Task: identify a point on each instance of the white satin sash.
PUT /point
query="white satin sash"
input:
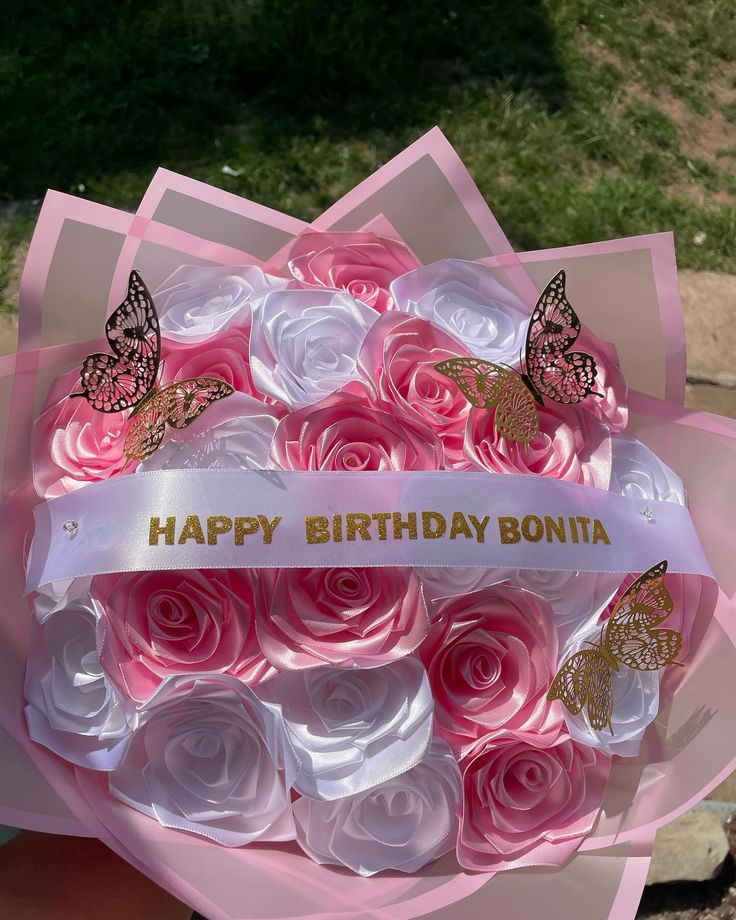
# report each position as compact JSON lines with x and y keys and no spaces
{"x":213,"y":518}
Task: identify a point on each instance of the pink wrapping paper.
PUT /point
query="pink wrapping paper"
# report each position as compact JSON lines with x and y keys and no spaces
{"x":427,"y":197}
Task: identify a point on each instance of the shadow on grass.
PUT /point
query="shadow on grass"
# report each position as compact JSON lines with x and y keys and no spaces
{"x":88,"y":88}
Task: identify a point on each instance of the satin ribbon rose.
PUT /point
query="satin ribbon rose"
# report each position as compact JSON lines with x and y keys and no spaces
{"x":404,"y":823}
{"x":161,"y":623}
{"x":638,"y":473}
{"x":347,"y":730}
{"x":398,"y":358}
{"x":350,"y":431}
{"x":572,"y":444}
{"x":361,"y":264}
{"x":443,"y":582}
{"x":197,"y":301}
{"x":223,"y":355}
{"x":74,"y":444}
{"x":202,"y":762}
{"x":491,"y":658}
{"x":465,"y":300}
{"x":71,"y":706}
{"x":304,"y":344}
{"x":528,"y":801}
{"x":341,"y":616}
{"x":573,"y":597}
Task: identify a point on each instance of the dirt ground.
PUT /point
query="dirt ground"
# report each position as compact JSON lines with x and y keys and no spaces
{"x":714,"y":900}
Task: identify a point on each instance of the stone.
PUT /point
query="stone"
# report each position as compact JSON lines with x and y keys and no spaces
{"x":692,"y":849}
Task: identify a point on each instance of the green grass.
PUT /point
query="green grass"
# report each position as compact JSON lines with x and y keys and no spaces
{"x":14,"y":235}
{"x":578,"y":119}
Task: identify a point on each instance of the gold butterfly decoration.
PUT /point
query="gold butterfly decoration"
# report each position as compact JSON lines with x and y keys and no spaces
{"x":630,"y":637}
{"x":551,"y":370}
{"x":126,"y":378}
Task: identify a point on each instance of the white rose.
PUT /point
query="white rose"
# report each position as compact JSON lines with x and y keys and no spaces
{"x":442,"y":582}
{"x":638,"y":473}
{"x":234,"y":433}
{"x":204,"y":761}
{"x":198,"y":300}
{"x":349,"y":730}
{"x":304,"y":344}
{"x":574,"y":597}
{"x":403,"y":824}
{"x":635,"y":701}
{"x":72,"y":708}
{"x":465,"y":300}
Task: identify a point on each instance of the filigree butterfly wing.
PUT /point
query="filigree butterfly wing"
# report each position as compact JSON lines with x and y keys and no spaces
{"x":585,"y":679}
{"x":570,"y":686}
{"x":646,"y":648}
{"x":600,"y":695}
{"x":566,"y":379}
{"x":477,"y":379}
{"x":110,"y":386}
{"x":112,"y":383}
{"x":631,"y":634}
{"x":146,"y":428}
{"x":186,"y":400}
{"x":554,"y":325}
{"x":553,"y":328}
{"x":177,"y":405}
{"x":646,"y":598}
{"x":486,"y":386}
{"x":516,"y":413}
{"x":133,"y":329}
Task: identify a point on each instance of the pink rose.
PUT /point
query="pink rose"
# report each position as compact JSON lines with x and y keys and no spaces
{"x":528,"y":801}
{"x":572,"y":444}
{"x":362,"y":264}
{"x":74,"y":444}
{"x":491,"y":658}
{"x":610,"y":384}
{"x":343,"y":617}
{"x":349,"y":431}
{"x":224,"y":355}
{"x":398,"y":357}
{"x":180,"y":622}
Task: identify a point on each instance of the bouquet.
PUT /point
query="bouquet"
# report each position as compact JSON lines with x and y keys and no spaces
{"x":365,"y":548}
